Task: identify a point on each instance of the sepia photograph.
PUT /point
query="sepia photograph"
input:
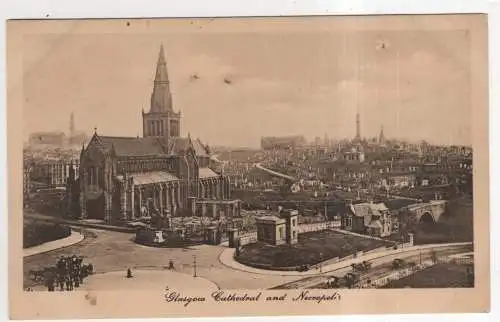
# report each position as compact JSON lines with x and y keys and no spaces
{"x":250,"y":160}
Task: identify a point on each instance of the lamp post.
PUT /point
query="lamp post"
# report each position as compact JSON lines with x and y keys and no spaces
{"x":321,"y":263}
{"x":194,"y":265}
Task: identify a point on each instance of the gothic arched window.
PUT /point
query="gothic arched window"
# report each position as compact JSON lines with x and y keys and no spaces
{"x":91,"y":175}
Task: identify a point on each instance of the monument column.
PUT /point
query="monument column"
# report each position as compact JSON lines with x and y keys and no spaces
{"x":214,"y":210}
{"x":123,"y":201}
{"x":203,"y":209}
{"x":153,"y":195}
{"x":167,"y":202}
{"x":83,"y":206}
{"x":83,"y":198}
{"x":179,"y":200}
{"x":222,"y":188}
{"x":202,"y":188}
{"x":107,"y":206}
{"x":217,"y":188}
{"x":132,"y":202}
{"x":172,"y":196}
{"x":140,"y":201}
{"x":161,"y":197}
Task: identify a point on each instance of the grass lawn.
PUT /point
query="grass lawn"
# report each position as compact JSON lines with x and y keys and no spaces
{"x":36,"y":232}
{"x":437,"y":276}
{"x":308,"y":250}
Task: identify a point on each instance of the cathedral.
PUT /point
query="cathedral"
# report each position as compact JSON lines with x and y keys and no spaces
{"x":123,"y":178}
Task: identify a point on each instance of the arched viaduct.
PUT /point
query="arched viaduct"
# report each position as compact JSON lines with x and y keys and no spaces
{"x":428,"y":211}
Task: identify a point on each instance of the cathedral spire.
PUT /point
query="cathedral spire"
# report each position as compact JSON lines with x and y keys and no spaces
{"x":161,"y":75}
{"x":161,"y":99}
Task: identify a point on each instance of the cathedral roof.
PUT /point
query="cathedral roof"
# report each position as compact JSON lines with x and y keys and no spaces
{"x":152,"y":177}
{"x":181,"y":145}
{"x":137,"y":146}
{"x":132,"y":146}
{"x":205,"y":173}
{"x":200,"y":148}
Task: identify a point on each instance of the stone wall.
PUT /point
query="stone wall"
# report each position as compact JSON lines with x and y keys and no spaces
{"x":251,"y":237}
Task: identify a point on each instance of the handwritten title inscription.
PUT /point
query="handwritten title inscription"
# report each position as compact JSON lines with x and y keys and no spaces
{"x":234,"y":297}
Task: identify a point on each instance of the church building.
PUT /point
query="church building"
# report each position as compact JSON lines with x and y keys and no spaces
{"x":123,"y":178}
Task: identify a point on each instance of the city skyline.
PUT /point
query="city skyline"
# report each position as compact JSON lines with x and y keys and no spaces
{"x":402,"y":81}
{"x":309,"y":140}
{"x":301,"y":155}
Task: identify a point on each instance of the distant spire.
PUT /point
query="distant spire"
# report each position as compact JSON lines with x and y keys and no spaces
{"x":358,"y":127}
{"x":72,"y":124}
{"x":381,"y":138}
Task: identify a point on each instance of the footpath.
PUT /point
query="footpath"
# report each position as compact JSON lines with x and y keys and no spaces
{"x":72,"y":239}
{"x":227,"y":259}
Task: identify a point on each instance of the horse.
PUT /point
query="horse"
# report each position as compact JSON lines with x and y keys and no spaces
{"x":37,"y":275}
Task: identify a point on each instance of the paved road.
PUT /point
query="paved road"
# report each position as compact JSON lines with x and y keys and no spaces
{"x":114,"y":251}
{"x":380,"y":266}
{"x":274,"y":173}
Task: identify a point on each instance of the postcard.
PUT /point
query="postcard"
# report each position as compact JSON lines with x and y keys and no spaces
{"x":248,"y":166}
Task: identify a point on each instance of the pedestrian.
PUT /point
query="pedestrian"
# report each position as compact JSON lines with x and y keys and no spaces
{"x":68,"y":284}
{"x":50,"y":285}
{"x":61,"y":282}
{"x":77,"y":280}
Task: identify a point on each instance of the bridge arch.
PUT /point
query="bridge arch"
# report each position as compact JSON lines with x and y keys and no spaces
{"x":427,"y":217}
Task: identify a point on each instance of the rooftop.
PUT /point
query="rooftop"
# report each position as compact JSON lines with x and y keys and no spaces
{"x":152,"y":177}
{"x":270,"y":219}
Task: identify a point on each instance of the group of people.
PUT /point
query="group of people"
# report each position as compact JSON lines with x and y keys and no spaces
{"x":68,"y":273}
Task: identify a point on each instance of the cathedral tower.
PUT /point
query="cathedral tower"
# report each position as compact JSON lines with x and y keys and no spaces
{"x":161,"y":121}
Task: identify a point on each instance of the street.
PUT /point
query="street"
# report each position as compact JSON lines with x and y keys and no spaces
{"x":115,"y":251}
{"x":380,"y":266}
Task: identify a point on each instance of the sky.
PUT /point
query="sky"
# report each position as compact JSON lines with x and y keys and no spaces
{"x":415,"y":84}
